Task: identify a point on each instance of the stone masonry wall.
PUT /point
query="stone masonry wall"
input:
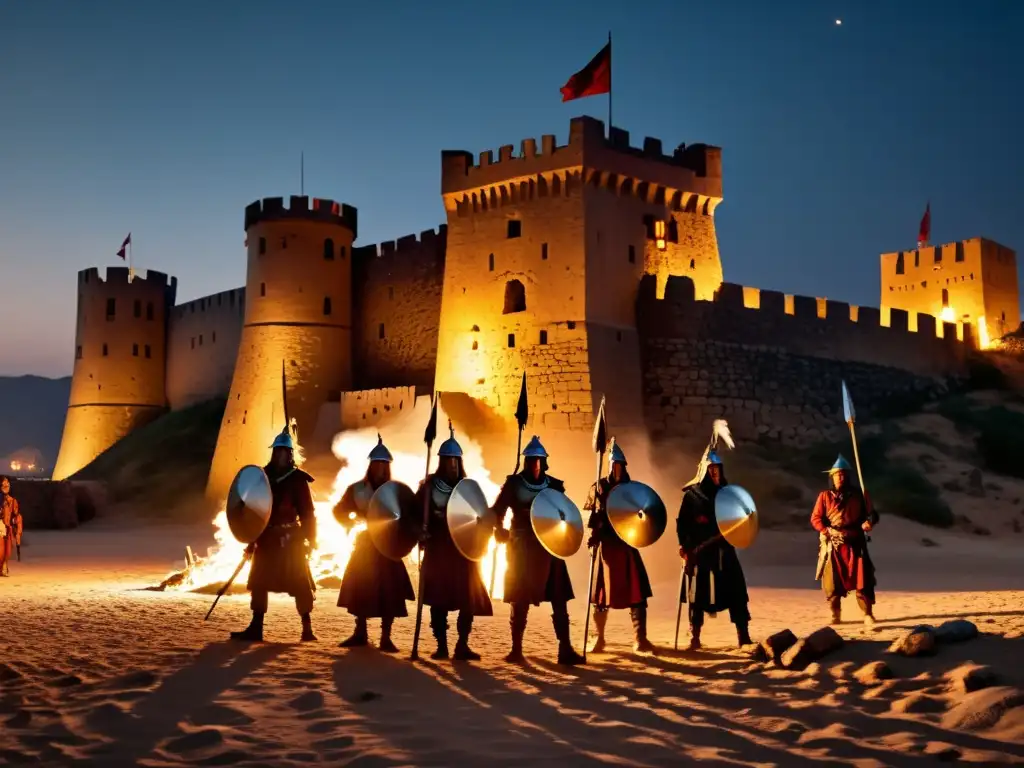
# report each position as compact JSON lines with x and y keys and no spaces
{"x":777,"y":374}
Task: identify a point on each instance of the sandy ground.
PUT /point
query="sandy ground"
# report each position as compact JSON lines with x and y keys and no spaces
{"x":96,"y":672}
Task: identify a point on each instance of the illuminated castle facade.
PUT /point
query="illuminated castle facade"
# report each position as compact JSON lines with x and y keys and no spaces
{"x":593,"y":266}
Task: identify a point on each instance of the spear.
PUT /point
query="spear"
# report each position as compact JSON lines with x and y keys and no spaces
{"x":600,"y":443}
{"x":850,"y":415}
{"x":428,"y":437}
{"x":522,"y":416}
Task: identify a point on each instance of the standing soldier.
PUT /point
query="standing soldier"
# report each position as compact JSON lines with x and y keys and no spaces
{"x":10,"y":525}
{"x":622,"y":580}
{"x":374,"y":585}
{"x":842,"y":517}
{"x":713,"y":577}
{"x":450,"y":581}
{"x":534,"y":575}
{"x":280,"y":555}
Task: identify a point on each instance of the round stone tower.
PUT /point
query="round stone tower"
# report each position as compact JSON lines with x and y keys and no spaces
{"x":298,"y":310}
{"x":118,"y":382}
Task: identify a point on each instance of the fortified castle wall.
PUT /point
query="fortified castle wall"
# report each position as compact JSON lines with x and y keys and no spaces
{"x":776,"y":370}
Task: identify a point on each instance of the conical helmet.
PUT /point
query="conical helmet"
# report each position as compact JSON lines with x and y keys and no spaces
{"x":380,"y":452}
{"x":534,"y":449}
{"x":450,"y":447}
{"x":713,"y":457}
{"x":841,"y":465}
{"x":617,"y":454}
{"x":284,"y":440}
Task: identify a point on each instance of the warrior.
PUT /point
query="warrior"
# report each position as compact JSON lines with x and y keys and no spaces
{"x":534,"y":576}
{"x":450,"y":581}
{"x":842,"y":516}
{"x":280,"y":555}
{"x":622,"y":580}
{"x":374,"y":585}
{"x":10,"y":525}
{"x":713,"y":578}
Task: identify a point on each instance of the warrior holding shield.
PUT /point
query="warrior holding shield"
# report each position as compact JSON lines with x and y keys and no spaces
{"x":713,"y":578}
{"x":450,"y":581}
{"x":280,"y":553}
{"x":374,"y":584}
{"x":534,"y":574}
{"x":622,"y":580}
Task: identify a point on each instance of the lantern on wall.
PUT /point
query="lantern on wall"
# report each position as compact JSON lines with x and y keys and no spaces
{"x":659,"y":234}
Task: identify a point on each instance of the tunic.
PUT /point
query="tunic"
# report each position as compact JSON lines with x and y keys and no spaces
{"x":279,"y":562}
{"x":450,"y":581}
{"x":622,"y":580}
{"x":373,"y":586}
{"x":10,"y":516}
{"x":844,"y":564}
{"x":713,"y":580}
{"x":533,"y":575}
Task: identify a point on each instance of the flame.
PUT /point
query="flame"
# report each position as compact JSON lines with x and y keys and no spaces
{"x":947,"y":315}
{"x":984,"y":342}
{"x":404,"y":438}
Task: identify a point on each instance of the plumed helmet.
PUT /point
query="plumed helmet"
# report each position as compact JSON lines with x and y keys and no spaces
{"x":841,"y":465}
{"x":450,"y":447}
{"x":714,"y":458}
{"x":534,"y":449}
{"x":380,"y":452}
{"x":284,"y":440}
{"x":617,"y":454}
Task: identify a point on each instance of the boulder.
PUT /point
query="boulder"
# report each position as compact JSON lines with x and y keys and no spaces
{"x":778,"y":644}
{"x":873,"y":673}
{"x":812,"y":648}
{"x":955,"y":631}
{"x":919,"y":641}
{"x":971,"y":677}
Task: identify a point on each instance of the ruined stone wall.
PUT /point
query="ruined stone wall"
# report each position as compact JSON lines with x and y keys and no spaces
{"x":369,"y":408}
{"x":397,"y":310}
{"x":774,"y":372}
{"x":202,"y":347}
{"x":119,"y":377}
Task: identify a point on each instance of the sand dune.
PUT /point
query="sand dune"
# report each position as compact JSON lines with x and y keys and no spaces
{"x":97,"y":672}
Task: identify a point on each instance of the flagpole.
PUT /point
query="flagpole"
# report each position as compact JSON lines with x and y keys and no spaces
{"x":609,"y":83}
{"x":131,"y":267}
{"x":302,"y":173}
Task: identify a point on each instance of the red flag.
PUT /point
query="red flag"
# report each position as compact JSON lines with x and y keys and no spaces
{"x":924,"y":232}
{"x":125,"y":244}
{"x":593,"y":79}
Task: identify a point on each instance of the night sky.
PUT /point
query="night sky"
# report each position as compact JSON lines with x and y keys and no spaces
{"x":167,"y":118}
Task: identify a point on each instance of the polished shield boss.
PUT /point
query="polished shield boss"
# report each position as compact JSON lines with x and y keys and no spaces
{"x":557,"y":523}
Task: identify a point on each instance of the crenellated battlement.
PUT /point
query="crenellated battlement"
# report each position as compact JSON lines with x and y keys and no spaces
{"x":302,"y":207}
{"x":232,"y":301}
{"x":153,"y":279}
{"x":619,"y":165}
{"x":429,"y":241}
{"x":801,"y":325}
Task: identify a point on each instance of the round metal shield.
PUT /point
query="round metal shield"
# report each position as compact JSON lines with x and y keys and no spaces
{"x":362,"y":492}
{"x":384,"y":520}
{"x":470,"y":520}
{"x":249,"y":502}
{"x":557,"y":523}
{"x":736,"y":515}
{"x":637,"y":514}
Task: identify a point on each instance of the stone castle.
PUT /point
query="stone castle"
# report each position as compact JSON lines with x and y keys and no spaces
{"x":592,"y":266}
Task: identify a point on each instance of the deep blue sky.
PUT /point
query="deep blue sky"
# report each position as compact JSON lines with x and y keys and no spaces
{"x":166,"y":119}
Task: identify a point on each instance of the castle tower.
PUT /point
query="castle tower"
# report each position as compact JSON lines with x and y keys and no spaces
{"x":545,"y":255}
{"x":970,"y":281}
{"x":118,"y":382}
{"x":298,"y":309}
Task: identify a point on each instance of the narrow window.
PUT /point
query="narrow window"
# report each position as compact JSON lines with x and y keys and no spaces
{"x":147,"y":351}
{"x":673,"y":231}
{"x":945,"y":298}
{"x":938,"y":254}
{"x":917,"y":259}
{"x":341,"y":251}
{"x":263,"y":289}
{"x":490,"y":262}
{"x":543,"y":251}
{"x":327,"y":305}
{"x":899,"y":264}
{"x":263,"y":245}
{"x":649,"y":226}
{"x":515,"y":228}
{"x":78,"y":352}
{"x":960,"y":253}
{"x":111,"y":308}
{"x":137,"y":308}
{"x":515,"y":297}
{"x":104,"y":350}
{"x":571,"y":325}
{"x":632,"y":254}
{"x":543,"y":337}
{"x":149,"y":310}
{"x":475,"y":346}
{"x":380,"y":331}
{"x":135,"y":350}
{"x":659,"y":234}
{"x":511,"y":341}
{"x":328,"y":249}
{"x":693,"y":264}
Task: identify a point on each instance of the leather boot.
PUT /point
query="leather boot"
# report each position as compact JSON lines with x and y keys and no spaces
{"x":566,"y":653}
{"x":694,"y":637}
{"x":463,"y":652}
{"x":359,"y":637}
{"x":638,"y":613}
{"x":517,"y":622}
{"x":835,"y":604}
{"x":439,"y":626}
{"x":307,"y":629}
{"x":743,"y":635}
{"x":596,"y":645}
{"x":865,"y":607}
{"x":386,"y":646}
{"x":253,"y":633}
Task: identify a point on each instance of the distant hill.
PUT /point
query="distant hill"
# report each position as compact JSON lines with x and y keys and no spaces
{"x":32,"y":412}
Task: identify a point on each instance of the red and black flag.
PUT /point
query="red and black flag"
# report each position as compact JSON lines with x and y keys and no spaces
{"x":594,"y":79}
{"x":124,"y":245}
{"x":924,"y":232}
